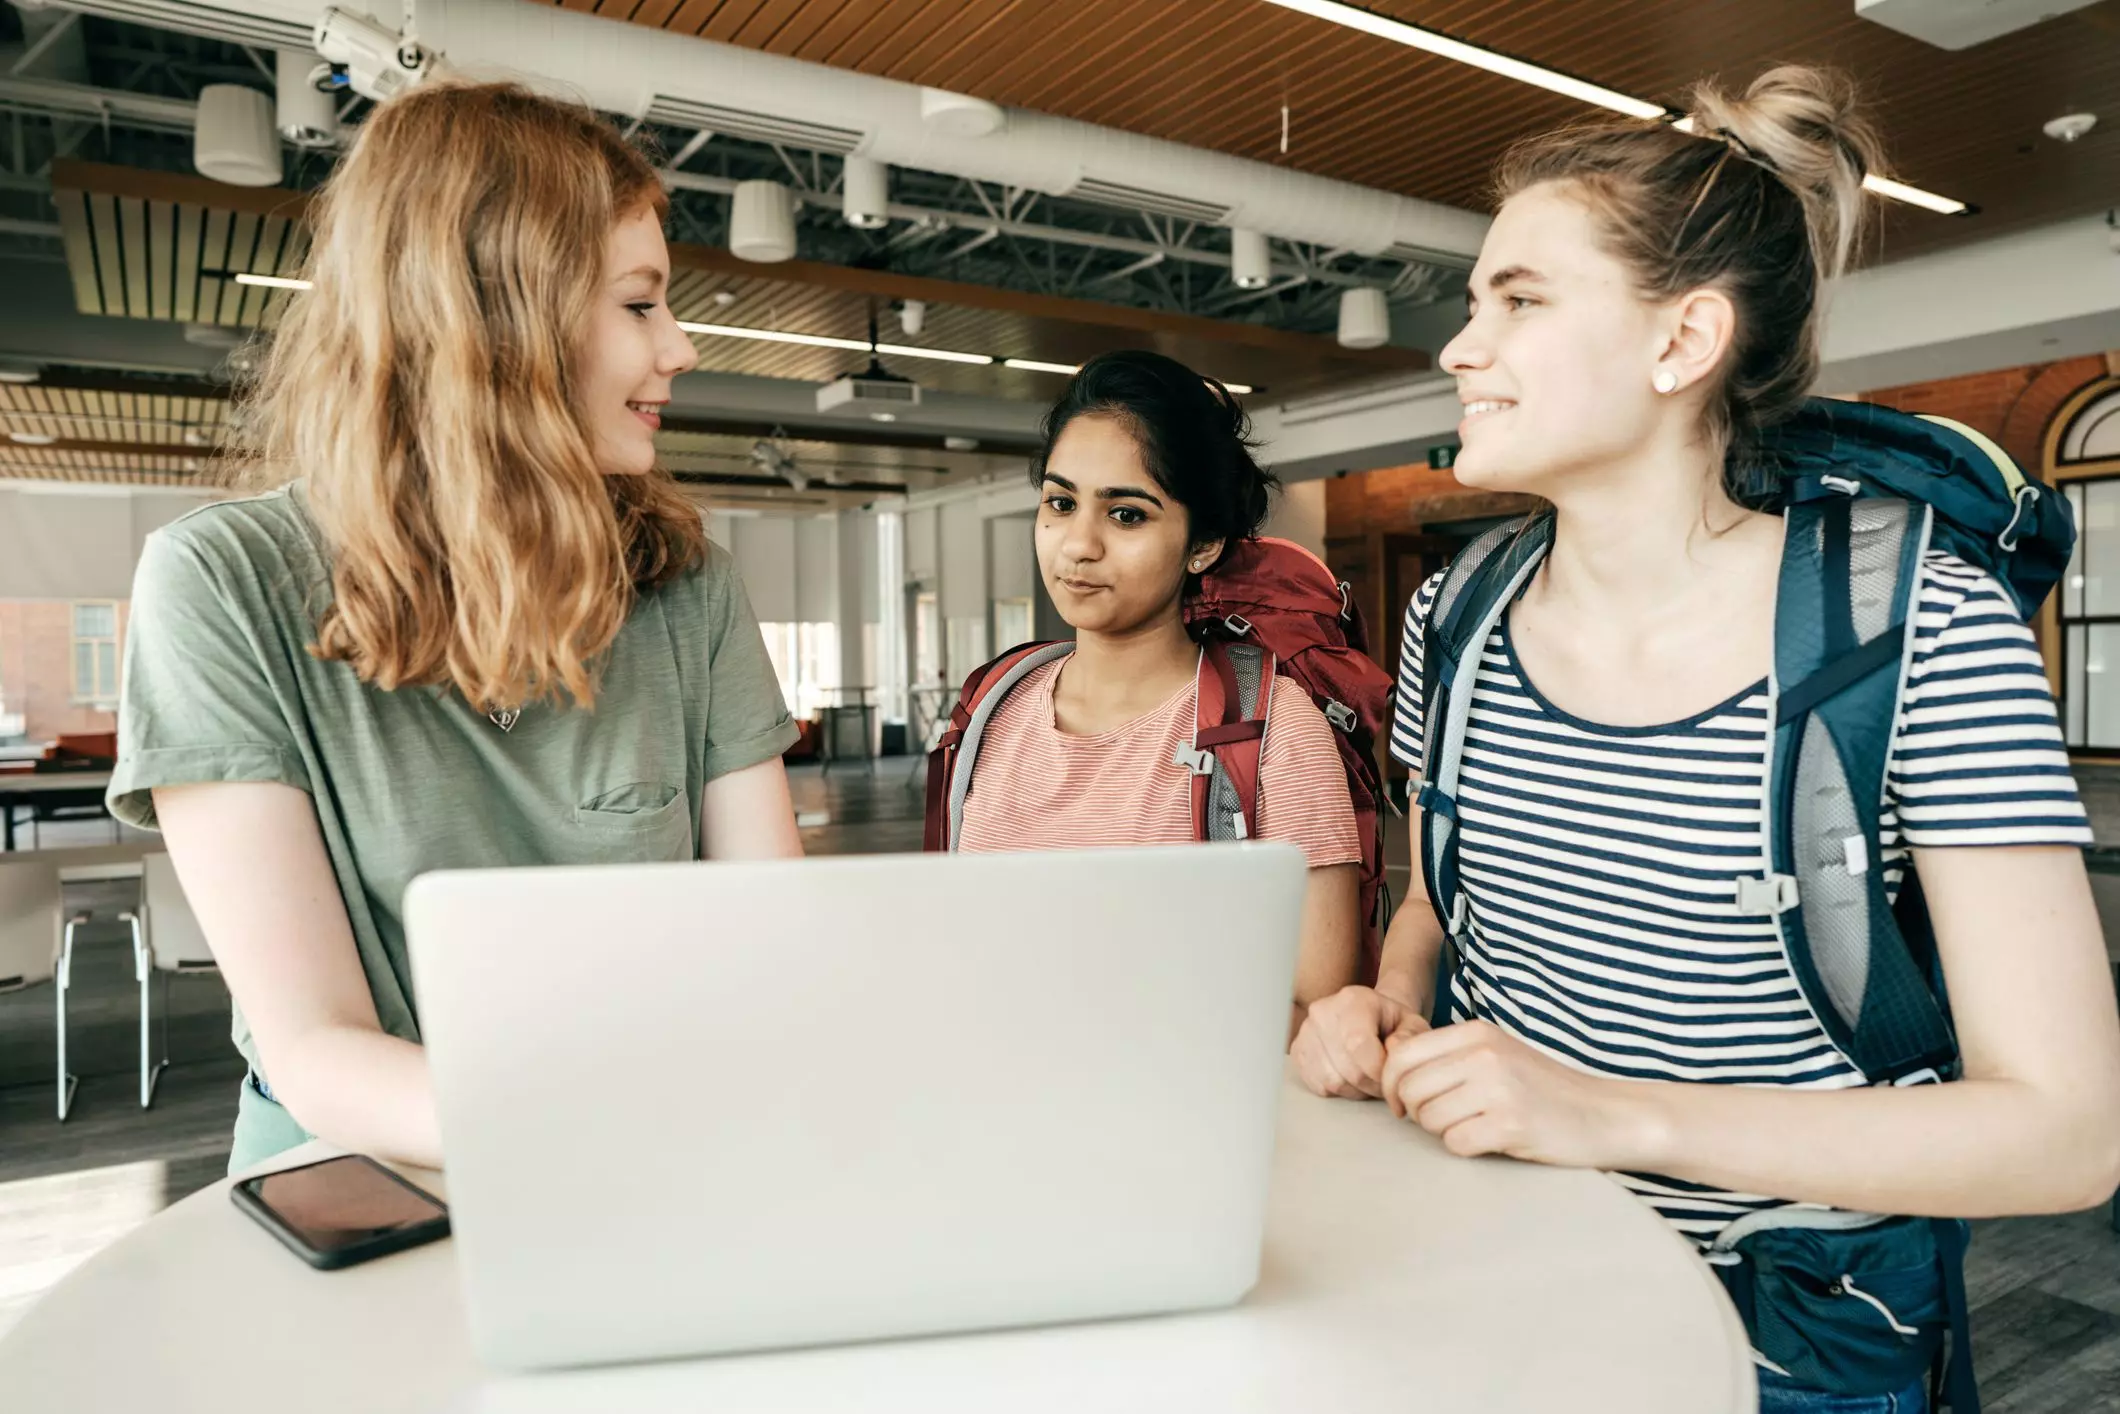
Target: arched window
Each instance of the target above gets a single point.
(2083, 459)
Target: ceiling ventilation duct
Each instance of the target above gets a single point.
(699, 83)
(235, 140)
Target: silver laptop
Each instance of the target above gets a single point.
(697, 1108)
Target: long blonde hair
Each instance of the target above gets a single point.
(425, 390)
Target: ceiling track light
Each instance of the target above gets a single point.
(1444, 47)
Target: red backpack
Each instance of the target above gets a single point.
(1268, 607)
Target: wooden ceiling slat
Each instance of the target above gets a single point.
(103, 221)
(242, 255)
(729, 19)
(655, 13)
(828, 44)
(766, 22)
(691, 15)
(1023, 71)
(974, 19)
(79, 243)
(162, 260)
(184, 294)
(213, 255)
(1212, 73)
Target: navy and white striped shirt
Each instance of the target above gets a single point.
(1600, 863)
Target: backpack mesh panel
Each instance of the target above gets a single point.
(1223, 806)
(1836, 904)
(1465, 567)
(1879, 534)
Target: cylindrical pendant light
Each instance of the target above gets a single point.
(1250, 263)
(235, 140)
(1365, 319)
(762, 222)
(307, 117)
(867, 194)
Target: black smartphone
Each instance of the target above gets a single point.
(343, 1211)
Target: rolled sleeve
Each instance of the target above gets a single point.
(747, 720)
(198, 703)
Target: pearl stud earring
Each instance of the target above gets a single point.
(1665, 381)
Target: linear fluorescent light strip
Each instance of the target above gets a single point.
(1442, 46)
(1879, 186)
(1032, 365)
(271, 282)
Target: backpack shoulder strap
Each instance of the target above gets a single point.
(1476, 591)
(1229, 734)
(957, 752)
(1843, 643)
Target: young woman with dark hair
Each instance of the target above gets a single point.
(1147, 476)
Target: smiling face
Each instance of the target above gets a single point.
(1113, 546)
(631, 349)
(1554, 363)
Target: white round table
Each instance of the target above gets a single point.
(1395, 1277)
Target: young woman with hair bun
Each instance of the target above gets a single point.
(1644, 313)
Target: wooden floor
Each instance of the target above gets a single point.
(2045, 1291)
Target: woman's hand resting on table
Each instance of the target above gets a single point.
(1341, 1049)
(1483, 1091)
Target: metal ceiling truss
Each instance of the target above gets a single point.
(133, 107)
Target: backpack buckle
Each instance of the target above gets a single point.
(1845, 485)
(2027, 497)
(1238, 625)
(1341, 715)
(1775, 894)
(1200, 763)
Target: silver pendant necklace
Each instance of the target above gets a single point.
(505, 718)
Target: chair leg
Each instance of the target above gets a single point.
(64, 979)
(143, 968)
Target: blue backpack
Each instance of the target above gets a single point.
(1865, 492)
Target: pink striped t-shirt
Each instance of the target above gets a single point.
(1036, 787)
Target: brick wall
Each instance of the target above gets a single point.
(2011, 405)
(36, 669)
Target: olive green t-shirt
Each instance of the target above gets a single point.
(219, 686)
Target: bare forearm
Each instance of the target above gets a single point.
(1412, 946)
(363, 1090)
(1974, 1148)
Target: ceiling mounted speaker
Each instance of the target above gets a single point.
(867, 194)
(306, 116)
(235, 141)
(762, 222)
(1365, 319)
(959, 114)
(1250, 262)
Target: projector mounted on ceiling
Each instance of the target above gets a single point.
(1961, 24)
(873, 390)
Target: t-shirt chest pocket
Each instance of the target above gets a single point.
(639, 822)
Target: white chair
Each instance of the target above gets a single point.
(166, 939)
(33, 947)
(96, 864)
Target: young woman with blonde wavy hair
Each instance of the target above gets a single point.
(466, 622)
